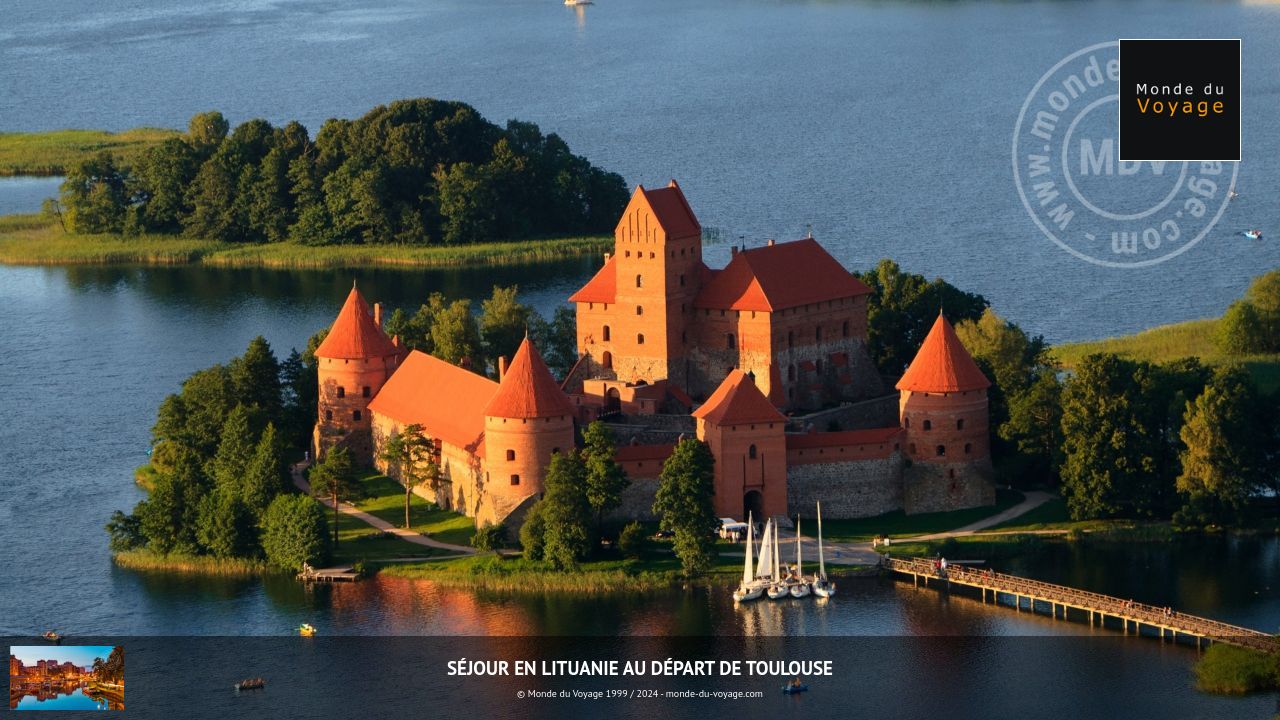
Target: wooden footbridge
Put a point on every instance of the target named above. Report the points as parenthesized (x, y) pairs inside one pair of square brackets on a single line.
[(1100, 608)]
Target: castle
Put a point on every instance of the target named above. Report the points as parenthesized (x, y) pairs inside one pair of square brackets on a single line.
[(765, 360)]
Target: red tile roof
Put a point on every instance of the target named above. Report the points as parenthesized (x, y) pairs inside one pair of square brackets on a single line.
[(737, 402), (873, 436), (671, 210), (602, 287), (446, 400), (354, 335), (943, 364), (527, 389), (777, 277)]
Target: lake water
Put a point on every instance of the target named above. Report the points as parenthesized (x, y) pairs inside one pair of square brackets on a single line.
[(886, 125), (74, 700)]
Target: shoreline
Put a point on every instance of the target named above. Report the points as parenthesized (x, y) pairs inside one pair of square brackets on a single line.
[(33, 241)]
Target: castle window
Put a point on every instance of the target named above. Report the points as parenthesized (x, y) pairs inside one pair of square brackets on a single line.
[(515, 479), (844, 328), (355, 414), (555, 451), (942, 450), (364, 391), (751, 452), (511, 455), (639, 310), (651, 255), (682, 280), (606, 333), (928, 424), (960, 424), (606, 360), (628, 253), (791, 339), (684, 337), (638, 281), (640, 339), (968, 448), (817, 333), (342, 392), (730, 341), (328, 414), (951, 474)]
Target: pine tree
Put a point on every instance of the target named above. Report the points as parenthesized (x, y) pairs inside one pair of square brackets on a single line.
[(504, 321), (235, 449), (606, 480), (255, 377), (265, 475), (335, 477)]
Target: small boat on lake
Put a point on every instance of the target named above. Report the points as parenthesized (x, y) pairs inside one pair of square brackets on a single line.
[(52, 637), (578, 2), (794, 687), (306, 630), (251, 684), (1254, 234)]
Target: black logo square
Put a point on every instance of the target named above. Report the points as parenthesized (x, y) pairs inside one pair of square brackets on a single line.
[(1179, 100)]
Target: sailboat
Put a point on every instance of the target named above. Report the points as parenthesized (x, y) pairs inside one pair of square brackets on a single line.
[(750, 589), (821, 587), (777, 589), (799, 588)]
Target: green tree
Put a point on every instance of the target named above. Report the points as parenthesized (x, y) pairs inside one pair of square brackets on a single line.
[(265, 476), (455, 336), (565, 512), (96, 195), (225, 526), (1225, 458), (902, 308), (415, 330), (489, 538), (235, 450), (1013, 356), (557, 339), (504, 322), (125, 531), (410, 458), (684, 503), (1242, 330), (605, 478), (168, 517), (194, 418), (1034, 426), (206, 131), (533, 532), (255, 377), (162, 176), (335, 477), (632, 540), (294, 532), (468, 197)]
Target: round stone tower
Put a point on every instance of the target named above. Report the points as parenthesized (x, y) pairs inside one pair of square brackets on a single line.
[(354, 361), (943, 409), (528, 419)]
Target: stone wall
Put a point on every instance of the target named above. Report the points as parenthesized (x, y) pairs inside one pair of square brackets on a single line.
[(637, 500), (874, 413), (938, 487), (849, 489)]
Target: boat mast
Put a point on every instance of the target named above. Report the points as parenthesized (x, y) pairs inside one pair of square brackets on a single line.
[(746, 569), (822, 565), (799, 561), (764, 566), (777, 570)]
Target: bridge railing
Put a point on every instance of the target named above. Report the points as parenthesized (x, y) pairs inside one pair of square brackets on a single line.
[(1152, 615)]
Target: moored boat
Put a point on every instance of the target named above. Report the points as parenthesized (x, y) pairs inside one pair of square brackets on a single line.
[(799, 586), (750, 588), (251, 684), (52, 637), (821, 586), (777, 588)]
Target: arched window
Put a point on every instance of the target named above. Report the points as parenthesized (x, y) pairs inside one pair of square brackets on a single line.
[(365, 390), (342, 392), (942, 450), (968, 448), (730, 341), (639, 310), (682, 280), (328, 414), (928, 424), (639, 282), (355, 415), (515, 479), (511, 455), (751, 452), (844, 328), (606, 360), (640, 339), (960, 424), (817, 333), (791, 339), (606, 333)]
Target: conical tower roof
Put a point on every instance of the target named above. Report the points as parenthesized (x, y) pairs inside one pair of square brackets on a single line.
[(943, 364), (738, 402), (354, 334), (527, 389)]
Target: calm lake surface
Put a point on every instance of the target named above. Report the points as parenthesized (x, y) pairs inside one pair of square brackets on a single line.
[(74, 700), (885, 125)]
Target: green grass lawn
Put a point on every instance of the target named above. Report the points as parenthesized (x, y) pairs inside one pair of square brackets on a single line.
[(51, 153), (384, 498), (1051, 515), (1173, 342), (35, 240), (898, 524)]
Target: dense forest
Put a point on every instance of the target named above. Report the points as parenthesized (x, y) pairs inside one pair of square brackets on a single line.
[(412, 172)]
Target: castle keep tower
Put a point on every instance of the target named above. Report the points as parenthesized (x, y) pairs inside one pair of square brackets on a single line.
[(745, 433), (528, 419), (633, 315), (943, 410), (354, 361)]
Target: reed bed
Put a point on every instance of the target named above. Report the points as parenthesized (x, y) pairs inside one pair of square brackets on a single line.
[(516, 575), (51, 153), (148, 561)]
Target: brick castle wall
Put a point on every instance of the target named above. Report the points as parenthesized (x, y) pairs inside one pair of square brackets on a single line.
[(847, 489)]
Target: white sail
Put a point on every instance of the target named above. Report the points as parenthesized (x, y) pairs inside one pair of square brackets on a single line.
[(777, 565), (746, 569), (765, 566), (799, 569), (822, 565)]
